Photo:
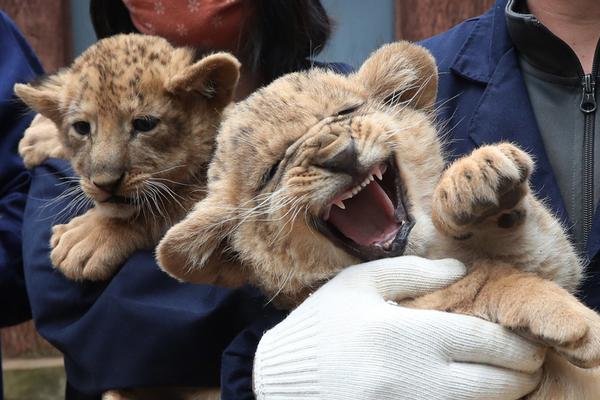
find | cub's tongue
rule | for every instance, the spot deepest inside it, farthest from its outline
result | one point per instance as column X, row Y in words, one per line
column 368, row 218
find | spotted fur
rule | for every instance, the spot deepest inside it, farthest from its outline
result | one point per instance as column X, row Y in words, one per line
column 140, row 181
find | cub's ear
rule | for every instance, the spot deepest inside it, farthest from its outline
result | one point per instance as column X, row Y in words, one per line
column 194, row 249
column 401, row 72
column 214, row 77
column 43, row 97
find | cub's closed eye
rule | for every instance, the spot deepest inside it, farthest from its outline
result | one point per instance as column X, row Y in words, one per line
column 145, row 124
column 83, row 128
column 271, row 173
column 348, row 110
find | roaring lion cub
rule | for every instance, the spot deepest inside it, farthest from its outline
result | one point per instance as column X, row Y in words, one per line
column 319, row 171
column 137, row 120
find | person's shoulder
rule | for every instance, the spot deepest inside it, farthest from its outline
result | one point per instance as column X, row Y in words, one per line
column 445, row 46
column 9, row 32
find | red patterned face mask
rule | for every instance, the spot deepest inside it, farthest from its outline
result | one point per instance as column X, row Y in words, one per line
column 206, row 24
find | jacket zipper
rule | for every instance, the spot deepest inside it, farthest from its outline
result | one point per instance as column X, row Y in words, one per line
column 588, row 107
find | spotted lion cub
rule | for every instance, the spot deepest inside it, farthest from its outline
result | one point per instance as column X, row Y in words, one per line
column 137, row 120
column 333, row 170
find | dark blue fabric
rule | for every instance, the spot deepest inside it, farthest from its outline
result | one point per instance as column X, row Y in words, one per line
column 17, row 64
column 238, row 358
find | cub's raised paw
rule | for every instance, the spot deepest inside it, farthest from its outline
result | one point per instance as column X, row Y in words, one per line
column 89, row 248
column 40, row 142
column 488, row 183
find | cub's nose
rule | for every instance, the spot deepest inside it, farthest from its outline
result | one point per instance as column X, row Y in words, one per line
column 345, row 160
column 108, row 183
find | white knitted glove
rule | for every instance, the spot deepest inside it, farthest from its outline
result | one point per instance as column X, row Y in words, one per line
column 347, row 342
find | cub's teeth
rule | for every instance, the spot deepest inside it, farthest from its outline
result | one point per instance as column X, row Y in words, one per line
column 378, row 174
column 340, row 204
column 365, row 182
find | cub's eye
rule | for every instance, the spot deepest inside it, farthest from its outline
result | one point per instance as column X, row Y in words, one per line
column 347, row 110
column 83, row 128
column 271, row 172
column 145, row 124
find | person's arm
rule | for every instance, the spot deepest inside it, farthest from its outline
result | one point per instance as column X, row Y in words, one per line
column 17, row 64
column 346, row 341
column 142, row 328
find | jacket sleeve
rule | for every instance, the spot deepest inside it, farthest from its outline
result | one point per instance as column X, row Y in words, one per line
column 17, row 64
column 238, row 358
column 142, row 327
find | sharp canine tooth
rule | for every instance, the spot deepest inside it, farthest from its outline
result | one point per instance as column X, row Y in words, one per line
column 340, row 204
column 378, row 173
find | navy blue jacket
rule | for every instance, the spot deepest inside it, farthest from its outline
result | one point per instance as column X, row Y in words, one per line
column 17, row 64
column 483, row 99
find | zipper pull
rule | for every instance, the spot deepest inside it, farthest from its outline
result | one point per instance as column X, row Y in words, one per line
column 588, row 99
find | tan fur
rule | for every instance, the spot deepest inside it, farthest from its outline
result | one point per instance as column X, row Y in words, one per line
column 271, row 180
column 164, row 170
column 115, row 81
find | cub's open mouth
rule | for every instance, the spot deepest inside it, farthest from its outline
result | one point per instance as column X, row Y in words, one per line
column 369, row 219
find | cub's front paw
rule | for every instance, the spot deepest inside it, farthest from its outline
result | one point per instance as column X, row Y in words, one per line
column 88, row 248
column 40, row 142
column 585, row 352
column 488, row 183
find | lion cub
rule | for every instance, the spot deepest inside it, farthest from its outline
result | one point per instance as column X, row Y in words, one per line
column 137, row 120
column 332, row 170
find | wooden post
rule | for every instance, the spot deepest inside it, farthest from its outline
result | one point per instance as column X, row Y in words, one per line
column 419, row 19
column 46, row 25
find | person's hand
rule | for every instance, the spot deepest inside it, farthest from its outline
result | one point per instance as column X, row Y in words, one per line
column 347, row 341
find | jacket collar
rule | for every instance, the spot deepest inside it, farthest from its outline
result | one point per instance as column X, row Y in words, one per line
column 485, row 46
